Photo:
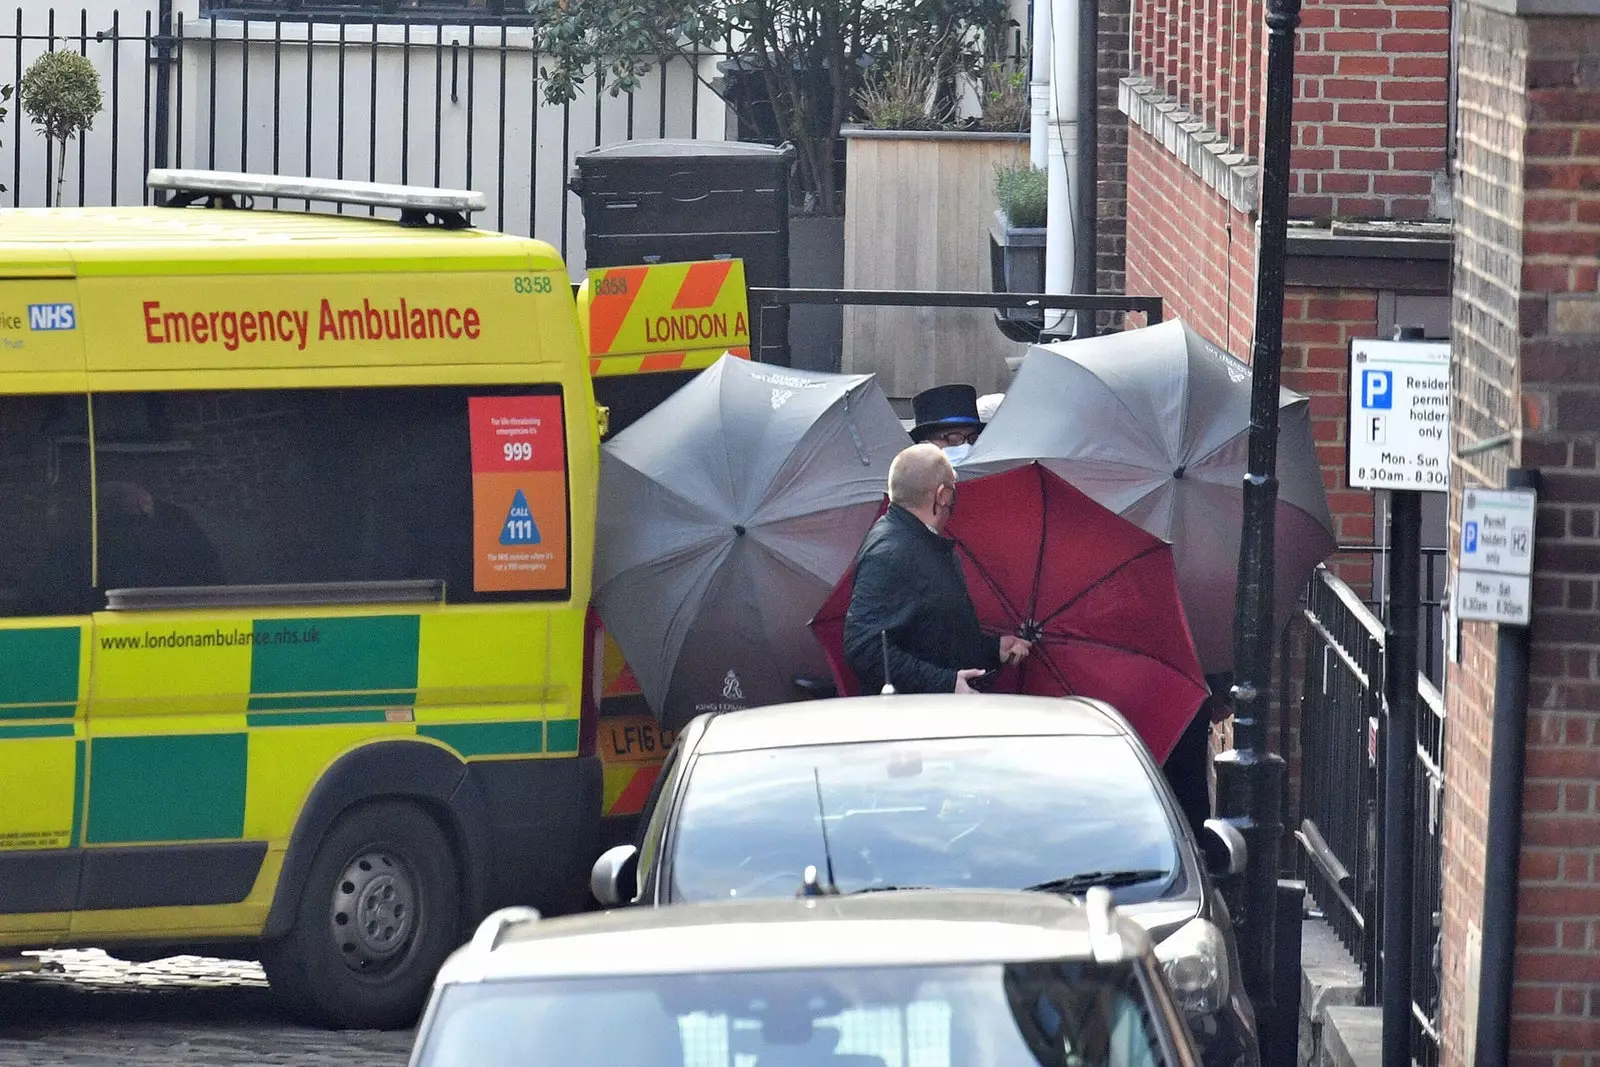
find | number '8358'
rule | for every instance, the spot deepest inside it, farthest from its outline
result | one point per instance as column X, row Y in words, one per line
column 524, row 283
column 518, row 450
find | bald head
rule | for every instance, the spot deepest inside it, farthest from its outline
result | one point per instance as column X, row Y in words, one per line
column 916, row 474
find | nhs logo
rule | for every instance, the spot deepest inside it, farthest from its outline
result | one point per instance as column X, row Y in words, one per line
column 52, row 317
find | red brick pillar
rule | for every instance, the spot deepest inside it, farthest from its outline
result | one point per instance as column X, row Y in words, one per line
column 1527, row 349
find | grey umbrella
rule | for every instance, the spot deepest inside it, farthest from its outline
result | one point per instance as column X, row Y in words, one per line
column 726, row 516
column 1154, row 424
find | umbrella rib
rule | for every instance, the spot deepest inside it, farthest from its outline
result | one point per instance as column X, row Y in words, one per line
column 1055, row 672
column 1051, row 639
column 1044, row 530
column 989, row 581
column 1092, row 586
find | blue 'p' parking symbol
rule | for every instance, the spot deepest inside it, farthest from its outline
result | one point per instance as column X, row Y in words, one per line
column 1377, row 389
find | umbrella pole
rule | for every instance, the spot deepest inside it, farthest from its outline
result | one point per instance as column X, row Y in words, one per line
column 1250, row 777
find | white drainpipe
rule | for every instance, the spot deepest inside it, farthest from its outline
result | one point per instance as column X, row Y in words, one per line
column 1062, row 97
column 1039, row 86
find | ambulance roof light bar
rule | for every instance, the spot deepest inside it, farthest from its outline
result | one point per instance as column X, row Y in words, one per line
column 447, row 207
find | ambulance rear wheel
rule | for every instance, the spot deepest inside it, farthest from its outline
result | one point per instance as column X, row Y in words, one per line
column 380, row 910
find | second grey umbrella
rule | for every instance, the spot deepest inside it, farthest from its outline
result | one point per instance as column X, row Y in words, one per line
column 1154, row 424
column 726, row 516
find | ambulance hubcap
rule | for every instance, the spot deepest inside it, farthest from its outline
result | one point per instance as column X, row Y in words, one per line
column 374, row 910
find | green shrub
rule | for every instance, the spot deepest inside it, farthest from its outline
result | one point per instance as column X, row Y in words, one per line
column 1005, row 96
column 1023, row 191
column 903, row 94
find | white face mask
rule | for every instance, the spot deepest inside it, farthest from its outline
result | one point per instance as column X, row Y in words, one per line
column 956, row 453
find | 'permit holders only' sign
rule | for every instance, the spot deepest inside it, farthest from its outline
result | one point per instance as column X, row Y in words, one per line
column 519, row 494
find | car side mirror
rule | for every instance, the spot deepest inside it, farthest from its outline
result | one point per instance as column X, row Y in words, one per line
column 615, row 877
column 1224, row 848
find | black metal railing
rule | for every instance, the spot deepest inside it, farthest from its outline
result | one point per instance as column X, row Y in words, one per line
column 1342, row 703
column 1428, row 895
column 1342, row 768
column 769, row 307
column 1430, row 631
column 424, row 101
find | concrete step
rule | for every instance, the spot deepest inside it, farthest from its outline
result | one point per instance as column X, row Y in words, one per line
column 1352, row 1037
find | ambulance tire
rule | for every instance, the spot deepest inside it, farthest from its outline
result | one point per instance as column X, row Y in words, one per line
column 389, row 861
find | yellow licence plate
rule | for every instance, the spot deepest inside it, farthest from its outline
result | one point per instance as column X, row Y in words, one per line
column 633, row 739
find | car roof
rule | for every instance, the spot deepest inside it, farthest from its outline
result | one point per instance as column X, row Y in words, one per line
column 853, row 720
column 908, row 928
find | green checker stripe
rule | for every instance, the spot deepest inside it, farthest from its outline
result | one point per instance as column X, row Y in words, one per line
column 38, row 711
column 79, row 766
column 489, row 738
column 390, row 699
column 316, row 718
column 310, row 664
column 175, row 788
column 561, row 735
column 50, row 729
column 41, row 667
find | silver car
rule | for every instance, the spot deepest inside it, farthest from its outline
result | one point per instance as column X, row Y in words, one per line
column 947, row 792
column 920, row 979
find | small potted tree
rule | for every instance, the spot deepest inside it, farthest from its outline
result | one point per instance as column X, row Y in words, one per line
column 1017, row 242
column 61, row 94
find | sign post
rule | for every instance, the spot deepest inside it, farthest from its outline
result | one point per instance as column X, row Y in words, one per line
column 1398, row 438
column 1495, row 574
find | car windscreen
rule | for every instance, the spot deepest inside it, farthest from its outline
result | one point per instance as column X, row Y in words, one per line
column 1037, row 1014
column 955, row 813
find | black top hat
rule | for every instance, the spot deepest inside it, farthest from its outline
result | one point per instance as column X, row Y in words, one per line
column 944, row 407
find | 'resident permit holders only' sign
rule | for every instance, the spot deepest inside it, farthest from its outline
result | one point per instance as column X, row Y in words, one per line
column 1398, row 433
column 519, row 494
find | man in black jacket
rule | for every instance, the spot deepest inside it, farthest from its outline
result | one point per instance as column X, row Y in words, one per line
column 910, row 590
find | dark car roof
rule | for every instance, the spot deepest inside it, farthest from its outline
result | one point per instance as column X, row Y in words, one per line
column 853, row 720
column 913, row 928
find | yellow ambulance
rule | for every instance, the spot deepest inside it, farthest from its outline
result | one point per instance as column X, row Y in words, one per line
column 296, row 535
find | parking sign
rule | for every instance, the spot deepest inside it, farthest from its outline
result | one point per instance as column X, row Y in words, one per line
column 1377, row 389
column 1397, row 434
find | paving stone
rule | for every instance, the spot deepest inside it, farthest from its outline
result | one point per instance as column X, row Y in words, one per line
column 90, row 1010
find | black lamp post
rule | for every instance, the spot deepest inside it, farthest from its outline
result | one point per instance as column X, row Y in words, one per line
column 1250, row 778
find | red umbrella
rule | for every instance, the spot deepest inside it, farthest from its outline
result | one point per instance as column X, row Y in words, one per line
column 1096, row 595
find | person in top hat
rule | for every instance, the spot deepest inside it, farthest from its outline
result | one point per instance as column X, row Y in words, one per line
column 947, row 415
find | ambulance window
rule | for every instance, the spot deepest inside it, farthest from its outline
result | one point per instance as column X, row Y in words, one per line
column 44, row 506
column 271, row 486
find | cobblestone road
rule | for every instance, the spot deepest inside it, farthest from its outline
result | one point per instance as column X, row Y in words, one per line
column 93, row 1011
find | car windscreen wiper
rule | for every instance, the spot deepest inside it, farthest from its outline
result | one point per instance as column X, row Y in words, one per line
column 885, row 889
column 1086, row 879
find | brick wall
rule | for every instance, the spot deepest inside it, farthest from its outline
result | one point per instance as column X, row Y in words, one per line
column 1492, row 58
column 1370, row 93
column 1188, row 245
column 1527, row 322
column 1318, row 326
column 1111, row 193
column 1370, row 108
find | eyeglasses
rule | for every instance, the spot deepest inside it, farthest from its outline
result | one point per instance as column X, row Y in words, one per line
column 951, row 438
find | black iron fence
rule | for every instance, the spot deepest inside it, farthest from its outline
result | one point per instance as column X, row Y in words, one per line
column 354, row 96
column 1342, row 768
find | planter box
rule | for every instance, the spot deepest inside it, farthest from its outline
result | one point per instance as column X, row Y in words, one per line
column 919, row 208
column 1016, row 265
